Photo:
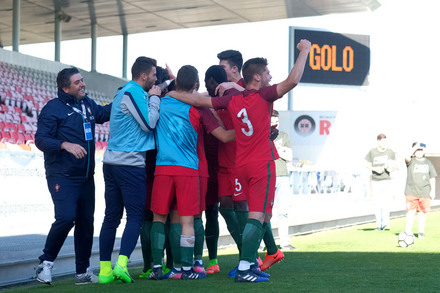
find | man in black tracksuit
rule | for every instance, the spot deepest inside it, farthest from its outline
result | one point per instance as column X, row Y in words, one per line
column 65, row 133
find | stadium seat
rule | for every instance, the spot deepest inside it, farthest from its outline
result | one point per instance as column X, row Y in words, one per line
column 28, row 128
column 10, row 127
column 17, row 110
column 16, row 118
column 4, row 108
column 29, row 137
column 2, row 97
column 20, row 139
column 14, row 137
column 6, row 137
column 9, row 118
column 23, row 118
column 34, row 128
column 21, row 128
column 98, row 145
column 7, row 126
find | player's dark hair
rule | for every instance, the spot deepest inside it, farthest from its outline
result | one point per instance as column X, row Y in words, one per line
column 253, row 66
column 161, row 74
column 63, row 78
column 233, row 57
column 216, row 72
column 381, row 136
column 187, row 77
column 275, row 113
column 142, row 65
column 214, row 76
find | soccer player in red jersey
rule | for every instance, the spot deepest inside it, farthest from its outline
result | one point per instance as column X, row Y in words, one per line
column 233, row 205
column 232, row 62
column 177, row 172
column 251, row 111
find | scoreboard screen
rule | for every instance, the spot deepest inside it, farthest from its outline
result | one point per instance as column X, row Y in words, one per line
column 337, row 59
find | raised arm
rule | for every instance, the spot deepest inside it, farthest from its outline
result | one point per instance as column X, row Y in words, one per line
column 298, row 69
column 410, row 153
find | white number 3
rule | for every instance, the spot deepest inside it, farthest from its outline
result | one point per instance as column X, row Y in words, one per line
column 244, row 117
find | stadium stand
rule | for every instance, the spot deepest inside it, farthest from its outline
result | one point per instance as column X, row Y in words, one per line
column 23, row 93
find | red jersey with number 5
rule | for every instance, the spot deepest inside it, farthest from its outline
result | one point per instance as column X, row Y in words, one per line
column 250, row 112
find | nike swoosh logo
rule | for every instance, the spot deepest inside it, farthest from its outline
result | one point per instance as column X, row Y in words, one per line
column 237, row 194
column 70, row 113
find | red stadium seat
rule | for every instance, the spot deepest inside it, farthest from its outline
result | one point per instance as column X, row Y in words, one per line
column 98, row 145
column 21, row 128
column 4, row 108
column 29, row 137
column 11, row 127
column 20, row 138
column 5, row 136
column 17, row 110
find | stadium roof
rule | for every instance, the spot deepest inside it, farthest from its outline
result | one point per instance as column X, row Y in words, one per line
column 36, row 19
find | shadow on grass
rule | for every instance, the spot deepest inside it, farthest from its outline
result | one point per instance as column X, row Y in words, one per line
column 367, row 229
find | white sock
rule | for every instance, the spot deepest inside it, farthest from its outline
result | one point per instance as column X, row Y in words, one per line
column 244, row 265
column 422, row 222
column 410, row 215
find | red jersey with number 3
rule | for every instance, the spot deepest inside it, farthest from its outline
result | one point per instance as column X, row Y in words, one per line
column 250, row 112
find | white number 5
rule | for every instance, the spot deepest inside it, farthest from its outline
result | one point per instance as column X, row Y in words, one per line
column 237, row 185
column 244, row 117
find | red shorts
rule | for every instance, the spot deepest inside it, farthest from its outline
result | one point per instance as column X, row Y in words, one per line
column 229, row 185
column 203, row 190
column 420, row 204
column 258, row 179
column 185, row 189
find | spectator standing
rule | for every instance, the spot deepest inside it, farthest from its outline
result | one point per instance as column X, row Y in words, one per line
column 418, row 189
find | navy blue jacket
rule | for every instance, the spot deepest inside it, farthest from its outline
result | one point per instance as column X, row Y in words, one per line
column 58, row 123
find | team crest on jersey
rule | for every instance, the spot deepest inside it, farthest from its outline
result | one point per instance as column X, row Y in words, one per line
column 57, row 187
column 91, row 117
